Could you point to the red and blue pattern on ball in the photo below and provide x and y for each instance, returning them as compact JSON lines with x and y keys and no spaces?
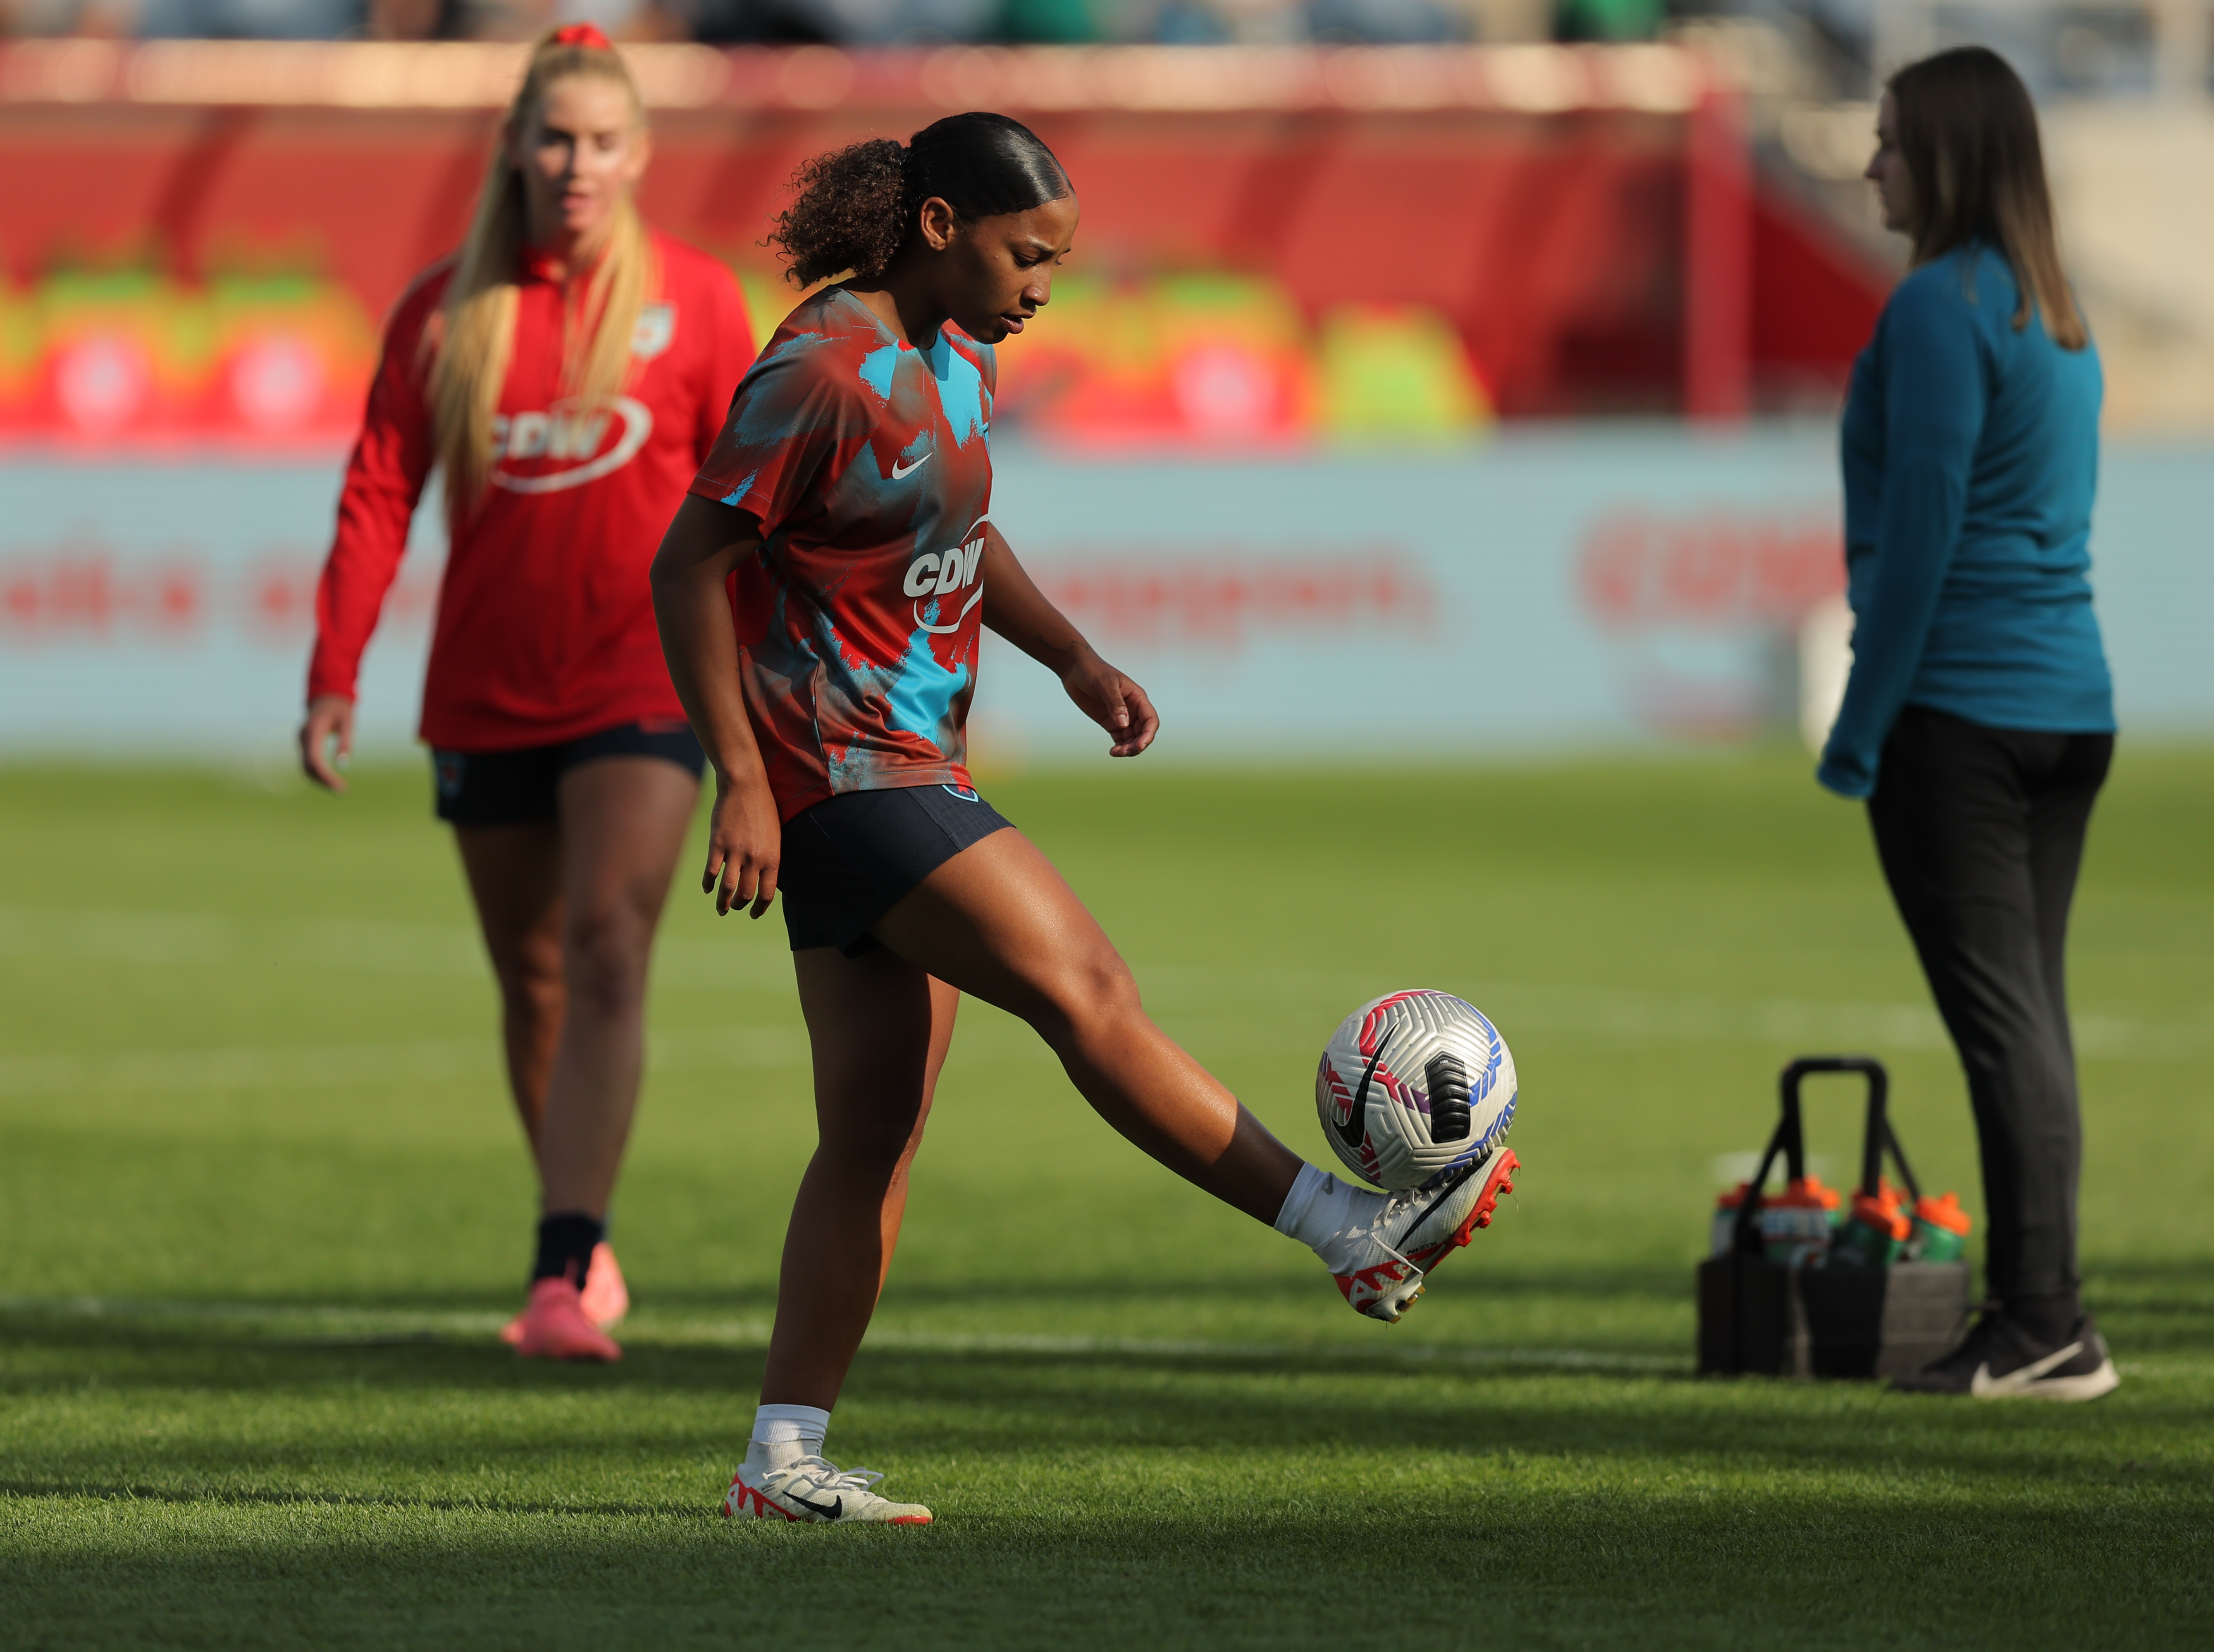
{"x":1448,"y":1092}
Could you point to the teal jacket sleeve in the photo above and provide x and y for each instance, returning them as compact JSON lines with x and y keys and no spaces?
{"x":1935,"y":394}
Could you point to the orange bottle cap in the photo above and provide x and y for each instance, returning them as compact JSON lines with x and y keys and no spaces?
{"x":1945,"y":1213}
{"x":1881,"y":1216}
{"x":1810,"y":1191}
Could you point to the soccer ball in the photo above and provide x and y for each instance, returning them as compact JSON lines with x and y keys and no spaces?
{"x":1412,"y":1084}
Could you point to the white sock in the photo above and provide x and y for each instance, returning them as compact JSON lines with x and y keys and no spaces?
{"x":1331,"y":1217}
{"x":784,"y":1434}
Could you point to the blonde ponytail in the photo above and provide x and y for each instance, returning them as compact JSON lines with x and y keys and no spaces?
{"x":471,"y":341}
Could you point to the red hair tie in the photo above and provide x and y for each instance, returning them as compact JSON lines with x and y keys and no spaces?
{"x":585,"y":34}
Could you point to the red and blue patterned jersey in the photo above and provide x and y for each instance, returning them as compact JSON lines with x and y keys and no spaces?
{"x":866,"y":462}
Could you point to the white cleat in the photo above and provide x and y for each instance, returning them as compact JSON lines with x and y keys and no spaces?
{"x":816,"y":1490}
{"x":1416,"y":1230}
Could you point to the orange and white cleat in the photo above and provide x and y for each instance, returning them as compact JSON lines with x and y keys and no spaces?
{"x":606,"y":1297}
{"x":554,"y":1326}
{"x":1416,"y":1230}
{"x":817,"y":1491}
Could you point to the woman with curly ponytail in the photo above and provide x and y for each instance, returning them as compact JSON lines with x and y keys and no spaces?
{"x":820,"y":594}
{"x":565,"y":372}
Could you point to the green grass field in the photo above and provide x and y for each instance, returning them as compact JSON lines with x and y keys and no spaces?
{"x":262,"y":1208}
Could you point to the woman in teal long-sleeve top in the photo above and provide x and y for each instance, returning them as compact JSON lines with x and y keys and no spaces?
{"x":1978,"y":719}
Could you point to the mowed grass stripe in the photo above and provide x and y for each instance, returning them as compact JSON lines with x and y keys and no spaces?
{"x":289,"y":1321}
{"x":690,"y":1048}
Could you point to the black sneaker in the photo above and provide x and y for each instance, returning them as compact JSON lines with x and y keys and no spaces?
{"x":2001,"y":1360}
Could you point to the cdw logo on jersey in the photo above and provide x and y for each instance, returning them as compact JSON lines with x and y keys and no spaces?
{"x":932,"y":575}
{"x":570,"y":436}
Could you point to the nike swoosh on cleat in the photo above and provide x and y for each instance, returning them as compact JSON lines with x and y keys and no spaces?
{"x":900,"y":473}
{"x":1467,"y":1168}
{"x":2015,"y":1382}
{"x":835,"y":1511}
{"x":1355,"y":1127}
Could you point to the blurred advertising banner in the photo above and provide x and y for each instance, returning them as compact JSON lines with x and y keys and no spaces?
{"x":1551,"y":590}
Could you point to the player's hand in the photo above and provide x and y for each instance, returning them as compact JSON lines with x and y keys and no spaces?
{"x":330,"y":718}
{"x":744,"y":842}
{"x":1112,"y":701}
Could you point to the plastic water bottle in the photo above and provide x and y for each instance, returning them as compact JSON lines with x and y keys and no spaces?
{"x":1794,"y":1224}
{"x":1722,"y":1237}
{"x":1940,"y":1229}
{"x":1875,"y":1233}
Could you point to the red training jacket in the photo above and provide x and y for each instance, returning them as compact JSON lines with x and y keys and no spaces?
{"x":545,"y":630}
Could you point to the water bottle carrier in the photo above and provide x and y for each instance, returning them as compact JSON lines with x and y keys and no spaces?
{"x":1845,"y":1320}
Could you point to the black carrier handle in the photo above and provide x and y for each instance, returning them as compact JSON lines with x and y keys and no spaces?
{"x":1790,"y":1139}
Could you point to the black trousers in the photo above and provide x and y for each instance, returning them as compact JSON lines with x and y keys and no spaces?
{"x":1980,"y":831}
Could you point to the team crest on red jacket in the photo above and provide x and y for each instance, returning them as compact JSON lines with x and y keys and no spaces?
{"x":655,"y":332}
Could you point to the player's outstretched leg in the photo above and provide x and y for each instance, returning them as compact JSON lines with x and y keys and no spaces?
{"x":998,"y":921}
{"x":879,"y":1027}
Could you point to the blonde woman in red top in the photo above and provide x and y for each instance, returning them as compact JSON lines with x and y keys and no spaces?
{"x":568,"y":371}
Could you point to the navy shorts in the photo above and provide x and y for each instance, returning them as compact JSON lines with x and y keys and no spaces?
{"x":518,"y":788}
{"x":849,"y":860}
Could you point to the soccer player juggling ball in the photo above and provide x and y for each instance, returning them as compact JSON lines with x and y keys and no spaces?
{"x":820,"y":594}
{"x":566,"y":371}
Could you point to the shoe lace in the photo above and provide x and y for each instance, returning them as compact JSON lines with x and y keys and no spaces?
{"x":818,"y":1474}
{"x":1395,"y":1205}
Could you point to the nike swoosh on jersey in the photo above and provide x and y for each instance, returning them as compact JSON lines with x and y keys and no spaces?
{"x":900,"y":473}
{"x":2015,"y":1381}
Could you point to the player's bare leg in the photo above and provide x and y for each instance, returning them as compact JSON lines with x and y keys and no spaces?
{"x":515,"y":879}
{"x":623,"y":821}
{"x":879,"y":1028}
{"x":999,"y":921}
{"x":569,"y":912}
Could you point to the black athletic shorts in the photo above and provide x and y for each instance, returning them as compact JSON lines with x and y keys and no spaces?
{"x":849,"y":860}
{"x":517,"y":788}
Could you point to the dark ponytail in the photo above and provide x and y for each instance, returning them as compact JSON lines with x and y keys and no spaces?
{"x":857,"y":206}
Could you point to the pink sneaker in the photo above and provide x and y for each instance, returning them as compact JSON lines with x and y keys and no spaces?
{"x":607,"y":1299}
{"x":553,"y":1326}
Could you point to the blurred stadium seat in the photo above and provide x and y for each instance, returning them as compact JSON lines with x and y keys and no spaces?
{"x":1523,"y":225}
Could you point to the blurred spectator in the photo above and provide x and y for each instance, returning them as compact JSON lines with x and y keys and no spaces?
{"x":1048,"y":23}
{"x":525,"y":20}
{"x":410,"y":20}
{"x":1215,"y":22}
{"x":846,"y":23}
{"x":1382,"y":22}
{"x":247,"y":20}
{"x":1608,"y":20}
{"x":1186,"y":22}
{"x":752,"y":22}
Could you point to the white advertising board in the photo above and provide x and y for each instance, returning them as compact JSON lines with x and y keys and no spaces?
{"x":1553,"y":589}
